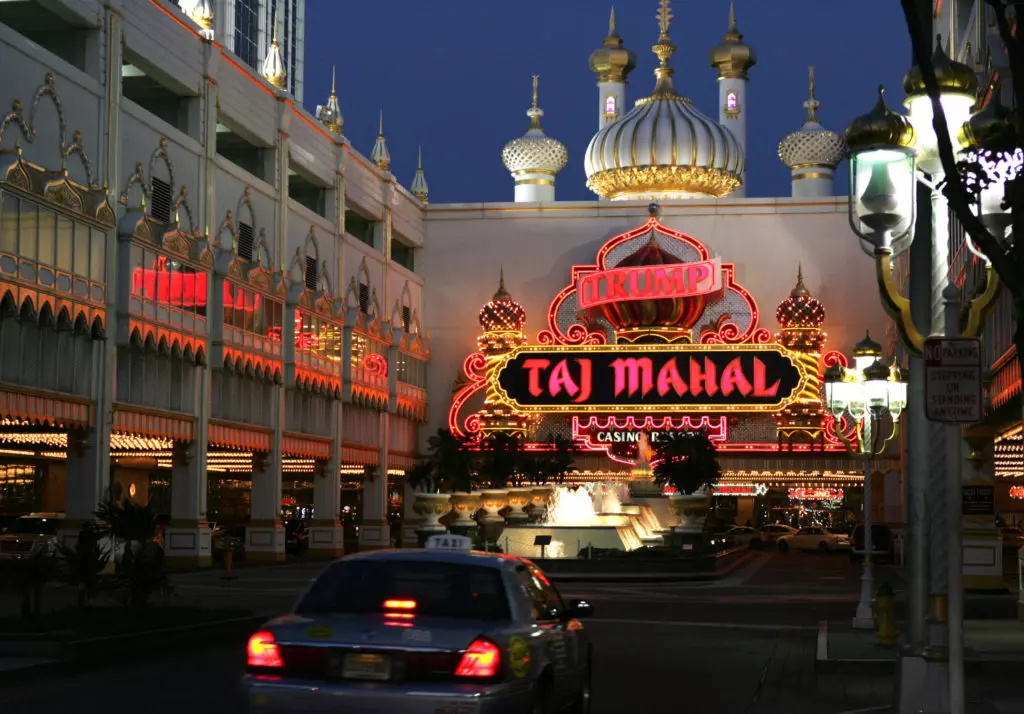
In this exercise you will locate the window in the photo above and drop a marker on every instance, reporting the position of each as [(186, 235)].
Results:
[(161, 203), (247, 32), (609, 105), (9, 223), (311, 273), (361, 228), (245, 241), (544, 599), (364, 298), (464, 592), (406, 317), (732, 103)]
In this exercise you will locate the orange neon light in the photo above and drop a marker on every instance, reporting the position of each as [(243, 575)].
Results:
[(245, 72), (399, 604)]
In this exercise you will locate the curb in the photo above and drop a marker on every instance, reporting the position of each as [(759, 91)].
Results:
[(103, 651), (650, 577)]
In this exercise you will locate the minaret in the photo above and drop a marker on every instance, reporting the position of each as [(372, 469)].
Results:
[(612, 63), (502, 325), (419, 181), (801, 317), (812, 153), (273, 65), (534, 159), (732, 58), (330, 113), (380, 154)]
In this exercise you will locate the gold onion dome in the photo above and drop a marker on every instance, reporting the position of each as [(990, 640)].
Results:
[(612, 62), (534, 152), (952, 76), (330, 114), (867, 347), (812, 144), (664, 148), (800, 310), (995, 127), (731, 57), (877, 371), (502, 313), (879, 128), (273, 65)]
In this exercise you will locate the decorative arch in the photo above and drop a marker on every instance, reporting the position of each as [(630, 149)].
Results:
[(260, 252), (244, 209), (77, 148), (137, 179), (325, 285), (227, 234), (160, 156)]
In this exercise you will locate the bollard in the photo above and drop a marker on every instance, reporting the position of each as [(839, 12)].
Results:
[(884, 606)]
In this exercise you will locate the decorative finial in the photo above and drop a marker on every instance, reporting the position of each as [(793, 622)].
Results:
[(380, 154), (535, 112), (732, 17), (654, 210), (330, 114), (273, 65), (800, 290), (334, 71), (380, 130), (536, 80), (664, 18), (502, 292), (275, 26), (812, 104), (419, 181), (664, 49), (811, 82), (612, 30)]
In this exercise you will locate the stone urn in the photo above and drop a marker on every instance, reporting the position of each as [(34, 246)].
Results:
[(493, 500), (539, 498), (432, 506), (691, 509), (518, 500), (464, 506)]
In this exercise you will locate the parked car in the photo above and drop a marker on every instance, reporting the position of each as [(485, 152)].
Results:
[(814, 538), (1013, 537), (881, 543), (30, 534), (745, 535), (773, 531)]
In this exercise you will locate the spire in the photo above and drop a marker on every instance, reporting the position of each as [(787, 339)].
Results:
[(273, 65), (800, 290), (502, 292), (731, 56), (419, 182), (812, 104), (330, 113), (732, 18), (664, 49), (535, 112), (612, 31), (380, 154)]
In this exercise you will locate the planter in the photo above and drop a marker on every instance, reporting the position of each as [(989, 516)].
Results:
[(432, 506), (464, 506), (493, 500), (518, 500), (539, 498), (692, 510)]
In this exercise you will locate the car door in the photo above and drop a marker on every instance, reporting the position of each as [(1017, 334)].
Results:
[(547, 610), (802, 539)]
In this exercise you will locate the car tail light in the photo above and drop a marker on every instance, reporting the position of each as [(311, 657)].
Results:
[(263, 651), (399, 604), (481, 659)]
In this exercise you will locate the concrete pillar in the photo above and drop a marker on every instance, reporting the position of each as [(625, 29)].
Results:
[(264, 538), (325, 535), (411, 520), (374, 529), (187, 540), (86, 483)]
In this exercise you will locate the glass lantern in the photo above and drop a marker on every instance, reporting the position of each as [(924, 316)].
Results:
[(857, 396), (883, 198), (876, 386), (836, 392)]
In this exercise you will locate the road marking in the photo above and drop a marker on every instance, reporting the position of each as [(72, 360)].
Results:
[(721, 625)]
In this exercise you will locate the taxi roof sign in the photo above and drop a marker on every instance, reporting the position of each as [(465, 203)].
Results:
[(446, 541)]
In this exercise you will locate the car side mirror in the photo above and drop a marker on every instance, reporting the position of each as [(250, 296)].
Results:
[(580, 608)]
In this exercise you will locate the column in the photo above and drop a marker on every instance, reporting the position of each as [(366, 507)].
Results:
[(411, 520), (188, 539), (374, 529), (732, 114), (983, 543), (264, 538), (325, 536), (611, 98), (86, 482)]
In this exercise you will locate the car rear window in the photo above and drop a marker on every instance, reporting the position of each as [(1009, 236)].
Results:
[(35, 526), (454, 590)]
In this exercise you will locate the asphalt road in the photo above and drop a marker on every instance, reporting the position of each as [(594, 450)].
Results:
[(743, 645)]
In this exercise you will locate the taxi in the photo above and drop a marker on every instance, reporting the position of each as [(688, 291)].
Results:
[(441, 630)]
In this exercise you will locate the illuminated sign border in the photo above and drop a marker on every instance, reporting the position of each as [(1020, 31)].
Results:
[(740, 490), (680, 280), (493, 382)]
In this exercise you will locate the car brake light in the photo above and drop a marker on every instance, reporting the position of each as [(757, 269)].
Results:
[(399, 604), (481, 659), (263, 651)]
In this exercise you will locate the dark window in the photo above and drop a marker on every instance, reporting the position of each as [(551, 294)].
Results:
[(245, 241), (545, 601), (161, 200), (311, 273), (406, 318), (362, 228), (247, 29), (403, 254), (453, 590), (364, 298)]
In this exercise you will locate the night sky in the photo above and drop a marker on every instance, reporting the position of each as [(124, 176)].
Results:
[(454, 76)]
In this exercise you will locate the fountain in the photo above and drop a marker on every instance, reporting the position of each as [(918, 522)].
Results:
[(593, 515)]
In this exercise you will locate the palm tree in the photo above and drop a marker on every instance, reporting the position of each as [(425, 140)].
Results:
[(82, 565), (141, 568), (560, 459), (688, 462), (451, 461), (500, 459)]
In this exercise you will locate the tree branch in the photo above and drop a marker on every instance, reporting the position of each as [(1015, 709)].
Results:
[(1013, 50), (955, 191)]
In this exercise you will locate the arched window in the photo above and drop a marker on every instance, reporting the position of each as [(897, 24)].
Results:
[(609, 105), (312, 271), (732, 102)]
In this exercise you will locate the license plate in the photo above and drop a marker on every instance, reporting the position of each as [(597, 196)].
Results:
[(364, 665)]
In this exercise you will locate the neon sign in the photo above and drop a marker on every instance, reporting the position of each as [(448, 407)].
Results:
[(1017, 492), (739, 489), (816, 494), (645, 282), (611, 378)]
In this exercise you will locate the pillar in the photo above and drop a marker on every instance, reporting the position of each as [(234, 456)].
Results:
[(325, 535), (187, 540), (411, 520), (732, 114), (374, 529), (611, 102), (88, 470), (535, 187), (264, 538)]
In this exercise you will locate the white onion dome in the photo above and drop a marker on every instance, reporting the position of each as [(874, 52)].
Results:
[(812, 145), (534, 152), (664, 148), (419, 188), (273, 66)]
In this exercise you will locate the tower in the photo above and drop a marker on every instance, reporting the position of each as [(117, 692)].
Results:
[(612, 63), (801, 316), (732, 58), (812, 153), (534, 159), (502, 324)]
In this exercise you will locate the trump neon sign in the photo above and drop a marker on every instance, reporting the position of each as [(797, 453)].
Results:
[(646, 282)]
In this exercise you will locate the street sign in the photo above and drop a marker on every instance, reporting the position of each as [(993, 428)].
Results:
[(979, 500), (952, 380)]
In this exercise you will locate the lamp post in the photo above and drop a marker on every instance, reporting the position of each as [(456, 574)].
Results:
[(867, 392)]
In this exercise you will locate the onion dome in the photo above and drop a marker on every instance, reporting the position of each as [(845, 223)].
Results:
[(800, 310), (952, 76), (611, 61), (502, 313), (879, 128), (273, 65), (877, 371), (534, 152), (664, 148), (867, 347), (330, 114), (419, 181), (201, 12), (995, 127), (813, 144), (731, 56), (380, 154)]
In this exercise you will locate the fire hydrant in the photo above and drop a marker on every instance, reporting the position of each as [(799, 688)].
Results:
[(884, 606)]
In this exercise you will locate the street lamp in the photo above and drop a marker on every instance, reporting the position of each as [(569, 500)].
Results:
[(866, 392)]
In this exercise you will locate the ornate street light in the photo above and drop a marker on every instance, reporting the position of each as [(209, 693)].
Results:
[(866, 393)]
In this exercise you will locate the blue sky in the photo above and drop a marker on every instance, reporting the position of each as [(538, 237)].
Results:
[(454, 76)]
